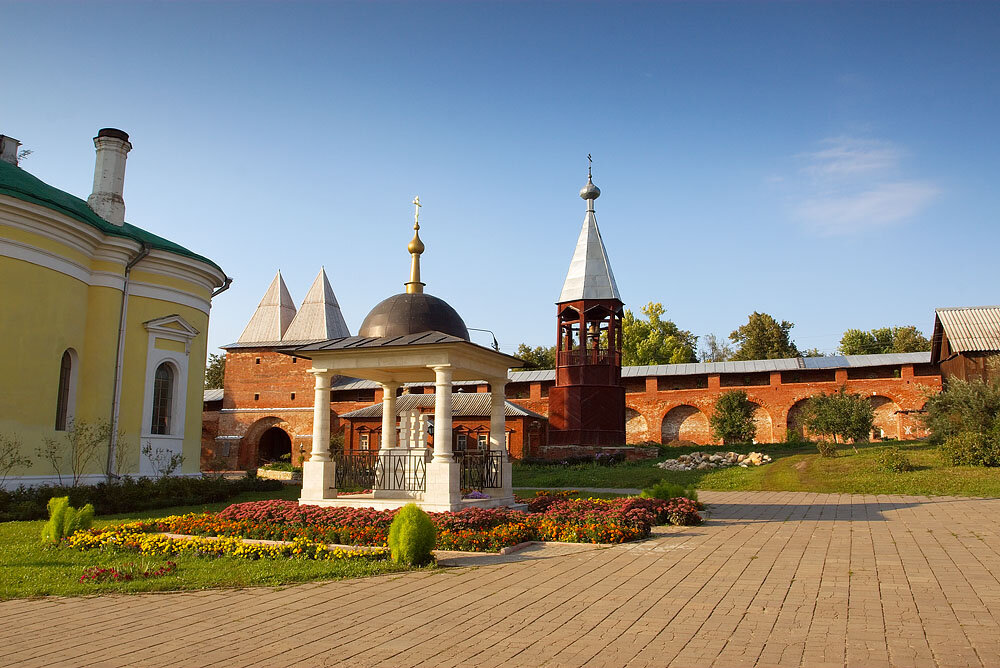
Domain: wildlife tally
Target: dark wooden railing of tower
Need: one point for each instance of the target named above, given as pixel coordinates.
(587, 403)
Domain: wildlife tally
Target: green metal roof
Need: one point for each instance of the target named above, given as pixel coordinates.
(21, 185)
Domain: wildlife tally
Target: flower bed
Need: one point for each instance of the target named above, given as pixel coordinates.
(136, 537)
(308, 529)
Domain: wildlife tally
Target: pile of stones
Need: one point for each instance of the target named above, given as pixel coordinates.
(716, 460)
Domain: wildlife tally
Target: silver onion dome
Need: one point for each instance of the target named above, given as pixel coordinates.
(590, 191)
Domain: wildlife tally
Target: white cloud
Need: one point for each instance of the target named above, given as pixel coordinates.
(884, 204)
(851, 184)
(847, 156)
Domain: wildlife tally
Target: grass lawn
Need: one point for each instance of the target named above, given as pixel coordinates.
(795, 468)
(27, 568)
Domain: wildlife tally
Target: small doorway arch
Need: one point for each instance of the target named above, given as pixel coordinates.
(274, 443)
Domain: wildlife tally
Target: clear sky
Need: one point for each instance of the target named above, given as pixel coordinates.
(835, 165)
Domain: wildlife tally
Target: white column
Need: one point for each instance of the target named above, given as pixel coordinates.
(321, 417)
(389, 414)
(442, 413)
(498, 419)
(319, 473)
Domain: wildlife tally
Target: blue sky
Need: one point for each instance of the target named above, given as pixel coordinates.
(835, 165)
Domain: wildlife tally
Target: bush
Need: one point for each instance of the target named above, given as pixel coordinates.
(128, 495)
(826, 448)
(972, 448)
(964, 407)
(732, 419)
(892, 460)
(411, 536)
(65, 520)
(667, 490)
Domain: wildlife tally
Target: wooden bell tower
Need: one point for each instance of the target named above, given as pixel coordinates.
(587, 403)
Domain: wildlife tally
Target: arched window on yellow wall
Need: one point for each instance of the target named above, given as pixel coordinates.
(163, 398)
(64, 411)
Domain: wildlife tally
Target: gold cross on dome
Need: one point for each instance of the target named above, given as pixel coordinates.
(416, 212)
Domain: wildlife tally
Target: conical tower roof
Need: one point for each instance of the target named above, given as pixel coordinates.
(590, 275)
(273, 315)
(320, 317)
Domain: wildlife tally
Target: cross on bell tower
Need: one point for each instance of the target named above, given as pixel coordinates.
(587, 403)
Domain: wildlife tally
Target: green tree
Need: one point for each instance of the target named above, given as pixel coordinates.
(763, 338)
(655, 340)
(882, 340)
(841, 415)
(540, 357)
(715, 350)
(732, 419)
(215, 371)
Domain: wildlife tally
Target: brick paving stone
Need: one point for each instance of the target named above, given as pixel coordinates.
(771, 579)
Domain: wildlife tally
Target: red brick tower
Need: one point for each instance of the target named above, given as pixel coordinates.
(587, 403)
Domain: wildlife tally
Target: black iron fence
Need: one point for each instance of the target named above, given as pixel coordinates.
(481, 470)
(401, 472)
(355, 470)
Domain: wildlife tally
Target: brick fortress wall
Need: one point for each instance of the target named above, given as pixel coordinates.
(258, 397)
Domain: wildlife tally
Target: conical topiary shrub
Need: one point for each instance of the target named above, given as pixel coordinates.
(411, 536)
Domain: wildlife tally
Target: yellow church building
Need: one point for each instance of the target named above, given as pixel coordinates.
(102, 323)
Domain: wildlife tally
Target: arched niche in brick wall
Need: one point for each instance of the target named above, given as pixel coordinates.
(886, 416)
(635, 426)
(685, 423)
(796, 418)
(762, 421)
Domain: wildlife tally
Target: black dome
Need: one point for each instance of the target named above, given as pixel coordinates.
(406, 313)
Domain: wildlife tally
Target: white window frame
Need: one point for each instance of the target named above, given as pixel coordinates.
(173, 442)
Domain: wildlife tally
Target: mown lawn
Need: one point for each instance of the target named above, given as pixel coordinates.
(27, 568)
(795, 468)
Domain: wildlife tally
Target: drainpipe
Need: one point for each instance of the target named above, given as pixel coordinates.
(116, 397)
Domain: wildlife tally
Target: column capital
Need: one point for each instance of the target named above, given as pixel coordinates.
(498, 381)
(440, 367)
(392, 385)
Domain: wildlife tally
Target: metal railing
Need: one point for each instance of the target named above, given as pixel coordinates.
(481, 470)
(355, 470)
(401, 472)
(581, 356)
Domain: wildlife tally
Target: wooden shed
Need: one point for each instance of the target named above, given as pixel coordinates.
(966, 342)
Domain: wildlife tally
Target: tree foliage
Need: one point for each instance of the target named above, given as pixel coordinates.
(215, 371)
(882, 340)
(655, 340)
(714, 350)
(763, 338)
(841, 415)
(540, 357)
(732, 419)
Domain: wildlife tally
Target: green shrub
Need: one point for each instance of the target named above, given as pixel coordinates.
(732, 419)
(892, 460)
(411, 536)
(964, 407)
(65, 520)
(973, 448)
(667, 490)
(826, 448)
(129, 495)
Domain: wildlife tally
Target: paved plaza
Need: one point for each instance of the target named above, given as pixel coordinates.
(772, 579)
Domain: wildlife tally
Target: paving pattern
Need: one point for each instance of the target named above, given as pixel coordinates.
(772, 579)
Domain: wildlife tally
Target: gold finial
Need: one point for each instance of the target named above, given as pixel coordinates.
(416, 247)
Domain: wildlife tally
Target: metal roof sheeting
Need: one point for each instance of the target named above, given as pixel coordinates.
(319, 318)
(971, 328)
(589, 275)
(462, 405)
(273, 315)
(213, 394)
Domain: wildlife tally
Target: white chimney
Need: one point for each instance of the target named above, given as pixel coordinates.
(8, 149)
(109, 175)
